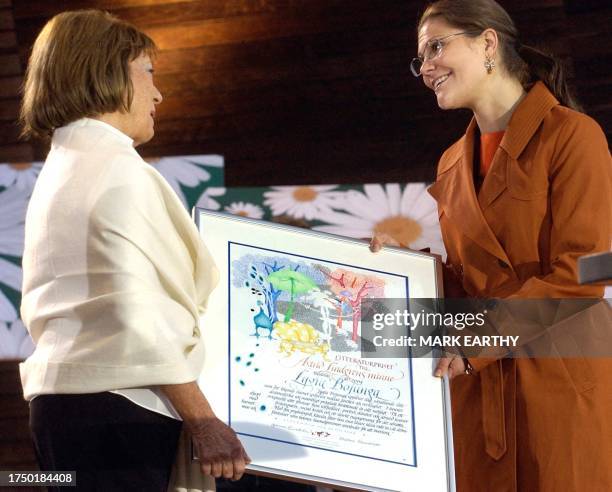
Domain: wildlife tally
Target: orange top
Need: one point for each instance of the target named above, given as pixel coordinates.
(488, 145)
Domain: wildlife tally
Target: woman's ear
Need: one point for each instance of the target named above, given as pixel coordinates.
(491, 41)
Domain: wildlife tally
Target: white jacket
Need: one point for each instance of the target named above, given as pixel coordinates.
(115, 273)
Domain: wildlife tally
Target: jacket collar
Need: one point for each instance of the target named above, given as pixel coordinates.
(94, 124)
(527, 118)
(523, 124)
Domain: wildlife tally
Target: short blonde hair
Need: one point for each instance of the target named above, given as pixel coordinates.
(79, 67)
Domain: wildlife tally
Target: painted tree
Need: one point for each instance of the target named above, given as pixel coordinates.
(271, 294)
(295, 283)
(324, 301)
(352, 287)
(252, 271)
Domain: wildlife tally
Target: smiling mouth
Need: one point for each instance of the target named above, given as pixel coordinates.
(439, 81)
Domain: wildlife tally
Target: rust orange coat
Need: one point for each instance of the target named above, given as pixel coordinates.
(531, 424)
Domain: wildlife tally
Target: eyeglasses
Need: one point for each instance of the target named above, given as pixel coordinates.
(433, 49)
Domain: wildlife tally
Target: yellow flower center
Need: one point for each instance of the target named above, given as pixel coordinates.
(305, 194)
(400, 228)
(20, 166)
(242, 213)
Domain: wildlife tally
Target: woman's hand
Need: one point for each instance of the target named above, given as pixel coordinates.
(220, 452)
(453, 366)
(382, 239)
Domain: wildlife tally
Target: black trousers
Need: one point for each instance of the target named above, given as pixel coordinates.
(113, 444)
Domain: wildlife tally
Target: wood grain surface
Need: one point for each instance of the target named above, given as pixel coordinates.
(304, 91)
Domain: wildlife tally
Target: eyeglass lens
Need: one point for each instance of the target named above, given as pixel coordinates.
(432, 50)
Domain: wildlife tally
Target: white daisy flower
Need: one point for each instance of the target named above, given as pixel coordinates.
(302, 201)
(10, 275)
(409, 216)
(187, 170)
(245, 209)
(13, 203)
(21, 175)
(206, 199)
(16, 341)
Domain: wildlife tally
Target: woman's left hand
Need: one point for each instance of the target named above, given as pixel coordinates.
(381, 239)
(453, 366)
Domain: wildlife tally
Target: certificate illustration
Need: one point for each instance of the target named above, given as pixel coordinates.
(295, 360)
(283, 361)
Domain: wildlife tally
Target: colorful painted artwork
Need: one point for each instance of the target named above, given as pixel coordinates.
(294, 342)
(302, 299)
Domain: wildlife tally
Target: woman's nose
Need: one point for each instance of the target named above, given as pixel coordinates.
(427, 66)
(157, 97)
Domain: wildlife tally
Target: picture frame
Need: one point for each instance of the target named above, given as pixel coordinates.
(283, 366)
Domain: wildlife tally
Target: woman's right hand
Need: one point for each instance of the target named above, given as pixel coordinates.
(220, 452)
(218, 448)
(381, 239)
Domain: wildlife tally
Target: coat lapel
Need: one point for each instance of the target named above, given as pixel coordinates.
(454, 191)
(495, 181)
(526, 119)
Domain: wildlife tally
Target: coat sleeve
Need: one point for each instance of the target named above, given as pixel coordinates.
(580, 179)
(581, 209)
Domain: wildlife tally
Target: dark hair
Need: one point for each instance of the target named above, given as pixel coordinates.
(79, 67)
(526, 63)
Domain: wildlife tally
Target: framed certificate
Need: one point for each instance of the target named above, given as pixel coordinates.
(284, 367)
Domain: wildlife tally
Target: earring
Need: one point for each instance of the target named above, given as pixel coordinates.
(489, 64)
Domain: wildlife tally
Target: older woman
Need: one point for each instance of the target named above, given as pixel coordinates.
(115, 275)
(522, 195)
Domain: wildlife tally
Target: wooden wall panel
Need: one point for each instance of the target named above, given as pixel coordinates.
(11, 70)
(33, 8)
(6, 19)
(278, 84)
(8, 39)
(589, 24)
(9, 132)
(9, 110)
(9, 65)
(16, 449)
(19, 152)
(9, 86)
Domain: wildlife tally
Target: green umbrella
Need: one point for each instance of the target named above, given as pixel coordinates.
(293, 282)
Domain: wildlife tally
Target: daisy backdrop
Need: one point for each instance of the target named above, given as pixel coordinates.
(406, 212)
